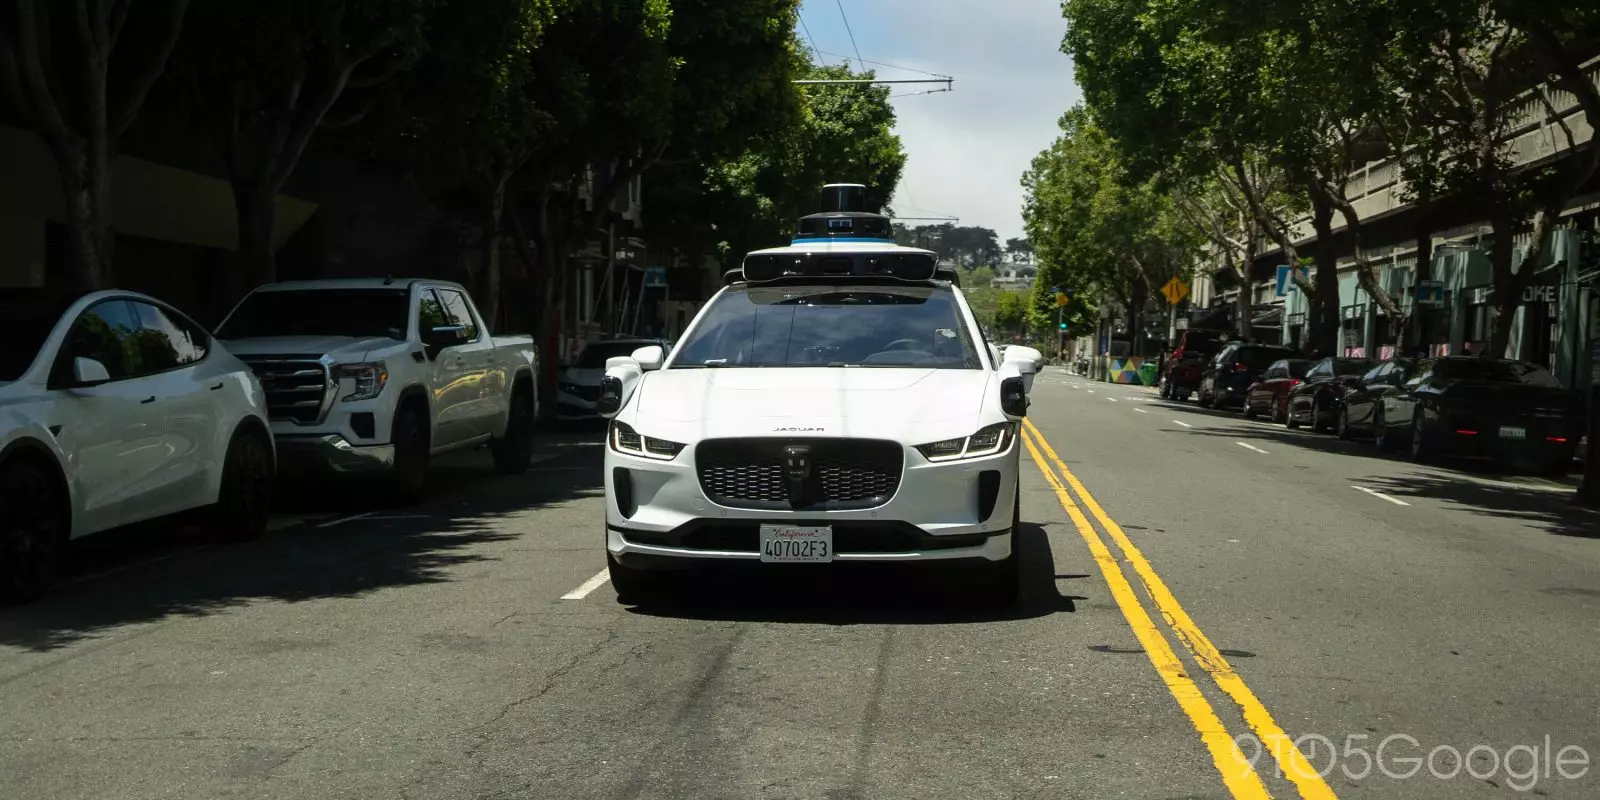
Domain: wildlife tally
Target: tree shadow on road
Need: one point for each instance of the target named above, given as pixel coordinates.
(857, 594)
(1548, 510)
(401, 547)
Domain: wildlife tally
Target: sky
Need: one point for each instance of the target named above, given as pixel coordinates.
(966, 149)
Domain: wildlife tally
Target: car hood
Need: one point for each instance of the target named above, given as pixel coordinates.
(862, 402)
(342, 348)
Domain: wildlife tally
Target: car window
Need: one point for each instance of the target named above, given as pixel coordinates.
(1350, 366)
(172, 341)
(1320, 370)
(1256, 357)
(106, 333)
(1296, 368)
(1374, 375)
(459, 312)
(805, 326)
(1490, 371)
(430, 312)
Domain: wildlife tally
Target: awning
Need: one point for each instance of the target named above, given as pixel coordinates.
(1271, 318)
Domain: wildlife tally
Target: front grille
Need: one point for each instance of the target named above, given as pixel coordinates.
(298, 388)
(842, 474)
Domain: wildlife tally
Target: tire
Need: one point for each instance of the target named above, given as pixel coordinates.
(1421, 451)
(1249, 410)
(633, 586)
(34, 527)
(244, 502)
(409, 476)
(1317, 425)
(1280, 411)
(1344, 430)
(1002, 586)
(1289, 421)
(514, 451)
(1205, 400)
(1380, 432)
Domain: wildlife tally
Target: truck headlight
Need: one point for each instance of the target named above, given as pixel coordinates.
(624, 439)
(986, 442)
(367, 380)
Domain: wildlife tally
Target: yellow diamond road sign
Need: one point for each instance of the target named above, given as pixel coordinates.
(1175, 290)
(1061, 298)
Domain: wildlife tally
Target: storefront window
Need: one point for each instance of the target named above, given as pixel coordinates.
(1353, 338)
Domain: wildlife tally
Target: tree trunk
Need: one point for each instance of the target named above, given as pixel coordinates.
(256, 208)
(85, 195)
(1507, 292)
(494, 203)
(1323, 304)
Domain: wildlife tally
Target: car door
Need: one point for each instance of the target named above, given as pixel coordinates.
(1360, 404)
(1208, 381)
(192, 409)
(1261, 393)
(481, 409)
(1401, 403)
(112, 433)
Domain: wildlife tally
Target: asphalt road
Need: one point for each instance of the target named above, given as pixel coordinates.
(1187, 597)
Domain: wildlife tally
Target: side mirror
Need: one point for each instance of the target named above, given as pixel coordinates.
(1014, 397)
(650, 357)
(444, 336)
(89, 372)
(609, 401)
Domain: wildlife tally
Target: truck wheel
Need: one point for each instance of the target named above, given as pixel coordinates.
(33, 530)
(514, 451)
(245, 500)
(411, 445)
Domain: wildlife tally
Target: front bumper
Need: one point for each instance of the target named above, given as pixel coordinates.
(332, 453)
(939, 512)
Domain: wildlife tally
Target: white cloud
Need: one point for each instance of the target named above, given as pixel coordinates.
(967, 149)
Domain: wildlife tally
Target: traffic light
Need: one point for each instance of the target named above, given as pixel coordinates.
(1063, 326)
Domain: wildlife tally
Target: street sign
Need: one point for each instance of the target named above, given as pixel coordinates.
(1285, 281)
(1175, 290)
(1061, 299)
(655, 277)
(1183, 323)
(1430, 292)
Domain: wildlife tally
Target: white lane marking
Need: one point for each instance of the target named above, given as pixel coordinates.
(342, 520)
(1184, 424)
(1251, 447)
(588, 586)
(1112, 399)
(1396, 501)
(1090, 391)
(1141, 411)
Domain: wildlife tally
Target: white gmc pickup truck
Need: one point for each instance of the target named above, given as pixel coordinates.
(375, 376)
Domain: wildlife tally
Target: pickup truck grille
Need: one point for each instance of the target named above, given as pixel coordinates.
(843, 473)
(298, 388)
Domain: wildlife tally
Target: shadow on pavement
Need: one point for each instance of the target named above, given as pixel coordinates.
(402, 547)
(1553, 511)
(858, 594)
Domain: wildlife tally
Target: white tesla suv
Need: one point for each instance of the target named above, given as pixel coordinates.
(834, 402)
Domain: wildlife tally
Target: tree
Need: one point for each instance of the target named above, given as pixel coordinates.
(265, 77)
(1019, 250)
(56, 62)
(1097, 229)
(969, 246)
(463, 118)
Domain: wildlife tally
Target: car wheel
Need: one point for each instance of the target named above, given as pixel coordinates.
(1204, 400)
(1380, 431)
(1002, 588)
(1421, 450)
(1280, 411)
(411, 446)
(1249, 410)
(633, 586)
(1345, 431)
(34, 527)
(1317, 425)
(1289, 420)
(514, 451)
(244, 502)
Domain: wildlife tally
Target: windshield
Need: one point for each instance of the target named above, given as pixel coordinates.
(1495, 372)
(360, 313)
(835, 326)
(29, 321)
(594, 355)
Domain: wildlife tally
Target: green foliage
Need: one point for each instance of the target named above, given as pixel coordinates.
(969, 246)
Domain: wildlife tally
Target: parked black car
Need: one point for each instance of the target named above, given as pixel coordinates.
(1362, 411)
(1514, 413)
(1233, 370)
(1319, 399)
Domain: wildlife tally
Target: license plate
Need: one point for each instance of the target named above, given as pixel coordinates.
(788, 544)
(1513, 433)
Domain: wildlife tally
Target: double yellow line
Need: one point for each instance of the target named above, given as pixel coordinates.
(1237, 771)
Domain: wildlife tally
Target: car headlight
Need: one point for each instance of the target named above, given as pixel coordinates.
(624, 439)
(986, 442)
(367, 380)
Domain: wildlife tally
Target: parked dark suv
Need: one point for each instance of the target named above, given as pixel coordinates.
(1235, 368)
